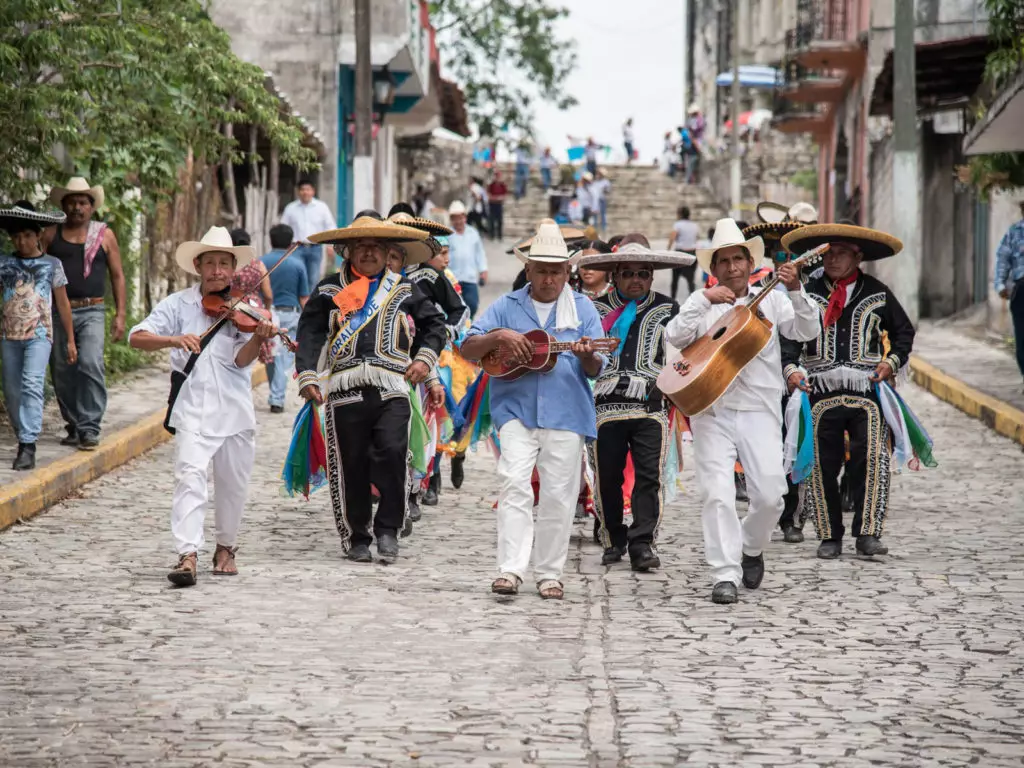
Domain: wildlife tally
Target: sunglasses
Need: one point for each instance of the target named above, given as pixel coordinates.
(643, 274)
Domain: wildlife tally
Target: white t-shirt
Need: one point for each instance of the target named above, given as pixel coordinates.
(687, 234)
(627, 133)
(543, 311)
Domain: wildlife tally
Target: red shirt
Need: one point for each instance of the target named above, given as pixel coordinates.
(496, 191)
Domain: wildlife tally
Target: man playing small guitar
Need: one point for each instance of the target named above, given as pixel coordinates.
(543, 419)
(745, 423)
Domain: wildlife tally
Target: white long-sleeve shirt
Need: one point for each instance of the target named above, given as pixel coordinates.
(307, 219)
(216, 398)
(759, 386)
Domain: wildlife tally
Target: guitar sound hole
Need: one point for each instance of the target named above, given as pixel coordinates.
(718, 334)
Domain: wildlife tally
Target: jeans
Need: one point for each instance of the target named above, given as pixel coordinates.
(313, 257)
(81, 388)
(497, 220)
(24, 374)
(471, 295)
(1017, 313)
(603, 209)
(522, 176)
(545, 178)
(284, 361)
(592, 166)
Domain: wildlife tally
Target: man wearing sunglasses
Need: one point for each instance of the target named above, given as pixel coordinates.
(632, 417)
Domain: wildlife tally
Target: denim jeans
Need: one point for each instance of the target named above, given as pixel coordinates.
(545, 178)
(81, 388)
(284, 361)
(522, 177)
(24, 374)
(313, 257)
(471, 295)
(603, 208)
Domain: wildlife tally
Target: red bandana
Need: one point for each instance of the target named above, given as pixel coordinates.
(837, 299)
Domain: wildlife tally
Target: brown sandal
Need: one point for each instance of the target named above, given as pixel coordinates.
(227, 568)
(506, 584)
(549, 589)
(184, 574)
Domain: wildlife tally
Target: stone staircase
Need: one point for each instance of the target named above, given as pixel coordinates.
(641, 199)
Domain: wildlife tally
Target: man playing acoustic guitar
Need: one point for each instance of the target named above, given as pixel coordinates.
(543, 419)
(746, 421)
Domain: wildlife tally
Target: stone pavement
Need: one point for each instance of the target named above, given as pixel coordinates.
(306, 660)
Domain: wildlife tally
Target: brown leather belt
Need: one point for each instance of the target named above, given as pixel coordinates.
(79, 303)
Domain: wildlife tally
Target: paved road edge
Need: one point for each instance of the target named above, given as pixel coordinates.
(54, 482)
(999, 416)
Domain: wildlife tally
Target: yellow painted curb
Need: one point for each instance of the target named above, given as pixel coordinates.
(1000, 416)
(49, 484)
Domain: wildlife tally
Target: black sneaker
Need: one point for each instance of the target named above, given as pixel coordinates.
(612, 555)
(387, 548)
(277, 409)
(458, 472)
(71, 438)
(88, 442)
(724, 593)
(830, 549)
(869, 546)
(430, 495)
(26, 458)
(753, 571)
(792, 535)
(643, 558)
(360, 553)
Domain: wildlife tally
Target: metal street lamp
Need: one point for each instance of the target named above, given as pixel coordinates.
(383, 90)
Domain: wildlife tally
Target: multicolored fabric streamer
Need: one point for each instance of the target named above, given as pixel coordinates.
(799, 446)
(419, 433)
(305, 466)
(618, 322)
(912, 446)
(475, 410)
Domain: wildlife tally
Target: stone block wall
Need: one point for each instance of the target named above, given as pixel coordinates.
(441, 165)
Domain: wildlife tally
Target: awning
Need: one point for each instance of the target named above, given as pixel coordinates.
(752, 77)
(949, 73)
(1000, 129)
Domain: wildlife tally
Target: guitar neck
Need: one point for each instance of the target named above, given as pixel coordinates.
(810, 257)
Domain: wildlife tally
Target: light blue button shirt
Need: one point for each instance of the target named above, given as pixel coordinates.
(466, 257)
(560, 399)
(1010, 257)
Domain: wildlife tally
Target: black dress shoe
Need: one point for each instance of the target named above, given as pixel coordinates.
(612, 555)
(869, 546)
(415, 513)
(753, 571)
(387, 548)
(724, 593)
(277, 409)
(71, 439)
(458, 472)
(430, 497)
(360, 553)
(792, 535)
(88, 442)
(830, 549)
(643, 558)
(26, 458)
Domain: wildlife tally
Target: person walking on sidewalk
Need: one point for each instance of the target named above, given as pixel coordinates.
(543, 420)
(497, 191)
(210, 411)
(306, 216)
(32, 286)
(466, 255)
(288, 284)
(1009, 282)
(843, 367)
(89, 252)
(746, 422)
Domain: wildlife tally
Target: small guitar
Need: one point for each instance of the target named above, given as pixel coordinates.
(546, 348)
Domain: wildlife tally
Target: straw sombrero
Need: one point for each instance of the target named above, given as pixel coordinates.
(215, 239)
(778, 220)
(573, 237)
(413, 241)
(727, 233)
(547, 245)
(427, 225)
(78, 186)
(23, 211)
(635, 253)
(873, 244)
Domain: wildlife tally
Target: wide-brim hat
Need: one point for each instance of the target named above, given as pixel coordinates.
(23, 211)
(457, 208)
(771, 230)
(215, 239)
(635, 253)
(547, 245)
(412, 241)
(727, 233)
(427, 225)
(574, 238)
(78, 186)
(874, 245)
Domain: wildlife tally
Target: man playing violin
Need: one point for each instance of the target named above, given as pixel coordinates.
(746, 421)
(212, 416)
(543, 419)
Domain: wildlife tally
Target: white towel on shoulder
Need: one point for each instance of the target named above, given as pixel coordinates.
(566, 318)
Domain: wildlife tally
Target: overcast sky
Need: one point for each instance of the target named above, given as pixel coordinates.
(629, 64)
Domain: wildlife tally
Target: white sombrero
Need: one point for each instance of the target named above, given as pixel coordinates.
(215, 239)
(635, 253)
(78, 186)
(548, 245)
(727, 233)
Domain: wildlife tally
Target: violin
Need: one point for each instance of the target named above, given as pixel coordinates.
(243, 312)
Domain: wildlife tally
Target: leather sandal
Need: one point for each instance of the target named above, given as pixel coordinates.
(549, 589)
(506, 584)
(184, 573)
(228, 568)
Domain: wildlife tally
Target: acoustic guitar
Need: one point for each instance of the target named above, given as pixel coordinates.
(546, 349)
(704, 370)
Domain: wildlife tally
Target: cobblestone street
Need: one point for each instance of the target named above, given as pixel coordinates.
(308, 660)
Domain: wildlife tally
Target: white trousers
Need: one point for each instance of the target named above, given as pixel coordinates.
(232, 459)
(755, 438)
(557, 455)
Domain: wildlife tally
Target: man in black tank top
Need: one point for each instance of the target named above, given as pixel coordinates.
(89, 252)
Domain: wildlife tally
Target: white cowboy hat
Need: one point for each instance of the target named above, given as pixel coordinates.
(635, 253)
(547, 245)
(694, 108)
(727, 233)
(215, 239)
(457, 208)
(78, 186)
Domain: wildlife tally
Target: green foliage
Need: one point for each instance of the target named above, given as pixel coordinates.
(806, 179)
(506, 54)
(1006, 26)
(1003, 170)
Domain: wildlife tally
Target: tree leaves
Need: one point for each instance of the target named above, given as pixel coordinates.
(507, 54)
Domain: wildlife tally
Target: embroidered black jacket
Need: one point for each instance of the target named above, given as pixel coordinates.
(846, 354)
(440, 290)
(381, 350)
(627, 386)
